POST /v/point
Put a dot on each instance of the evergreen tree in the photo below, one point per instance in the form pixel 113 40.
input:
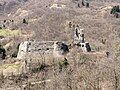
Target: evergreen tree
pixel 117 9
pixel 114 10
pixel 3 52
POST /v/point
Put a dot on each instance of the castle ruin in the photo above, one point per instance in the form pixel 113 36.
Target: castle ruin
pixel 79 39
pixel 34 49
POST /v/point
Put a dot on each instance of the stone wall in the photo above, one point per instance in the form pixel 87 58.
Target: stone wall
pixel 39 49
pixel 79 39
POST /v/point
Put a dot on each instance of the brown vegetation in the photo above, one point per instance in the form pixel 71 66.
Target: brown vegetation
pixel 98 70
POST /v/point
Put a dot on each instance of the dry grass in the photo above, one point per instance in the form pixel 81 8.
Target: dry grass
pixel 9 33
pixel 5 66
pixel 86 71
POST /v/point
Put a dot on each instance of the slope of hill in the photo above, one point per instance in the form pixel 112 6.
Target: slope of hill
pixel 49 20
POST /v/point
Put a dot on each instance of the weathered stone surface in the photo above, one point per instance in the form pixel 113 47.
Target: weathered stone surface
pixel 79 39
pixel 85 47
pixel 23 48
pixel 60 49
pixel 78 35
pixel 35 49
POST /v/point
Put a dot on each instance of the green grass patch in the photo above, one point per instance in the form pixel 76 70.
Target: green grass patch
pixel 5 66
pixel 8 33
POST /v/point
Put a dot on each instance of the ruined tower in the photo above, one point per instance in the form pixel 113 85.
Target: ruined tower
pixel 79 39
pixel 78 35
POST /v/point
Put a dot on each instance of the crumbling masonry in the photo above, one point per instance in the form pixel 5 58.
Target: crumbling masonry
pixel 33 49
pixel 79 39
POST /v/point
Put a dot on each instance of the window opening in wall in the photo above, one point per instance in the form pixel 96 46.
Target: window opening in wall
pixel 82 45
pixel 47 49
pixel 39 49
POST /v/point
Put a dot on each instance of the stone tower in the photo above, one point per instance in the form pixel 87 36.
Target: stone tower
pixel 78 35
pixel 79 39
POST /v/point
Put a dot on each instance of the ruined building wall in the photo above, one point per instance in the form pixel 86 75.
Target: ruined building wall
pixel 79 39
pixel 36 49
pixel 29 49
